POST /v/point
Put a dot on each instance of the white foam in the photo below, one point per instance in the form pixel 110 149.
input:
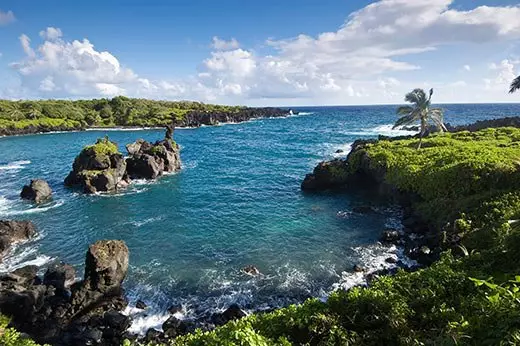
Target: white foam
pixel 123 128
pixel 5 209
pixel 345 148
pixel 372 259
pixel 385 130
pixel 304 113
pixel 146 221
pixel 141 321
pixel 15 165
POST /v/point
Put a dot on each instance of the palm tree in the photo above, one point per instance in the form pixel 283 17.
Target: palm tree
pixel 515 85
pixel 420 111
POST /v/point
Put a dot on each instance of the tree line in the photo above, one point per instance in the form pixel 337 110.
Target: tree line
pixel 118 111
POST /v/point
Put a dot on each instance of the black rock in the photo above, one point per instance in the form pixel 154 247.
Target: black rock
pixel 141 305
pixel 390 236
pixel 358 269
pixel 117 320
pixel 61 276
pixel 174 309
pixel 38 190
pixel 173 327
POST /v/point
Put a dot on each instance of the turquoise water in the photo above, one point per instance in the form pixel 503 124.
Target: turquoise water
pixel 237 201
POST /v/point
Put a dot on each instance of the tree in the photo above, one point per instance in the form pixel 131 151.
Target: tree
pixel 515 85
pixel 420 111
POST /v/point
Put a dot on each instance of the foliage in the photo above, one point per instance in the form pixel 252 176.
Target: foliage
pixel 420 111
pixel 119 111
pixel 468 184
pixel 103 147
pixel 515 85
pixel 10 337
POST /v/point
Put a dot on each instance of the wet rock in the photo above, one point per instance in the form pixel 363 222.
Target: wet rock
pixel 141 305
pixel 391 260
pixel 153 336
pixel 12 232
pixel 99 168
pixel 326 175
pixel 251 270
pixel 173 327
pixel 175 309
pixel 390 235
pixel 61 276
pixel 339 151
pixel 358 269
pixel 117 321
pixel 38 191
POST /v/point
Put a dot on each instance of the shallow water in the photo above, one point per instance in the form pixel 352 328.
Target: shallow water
pixel 236 202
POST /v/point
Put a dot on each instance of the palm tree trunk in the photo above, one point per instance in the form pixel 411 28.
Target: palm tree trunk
pixel 421 134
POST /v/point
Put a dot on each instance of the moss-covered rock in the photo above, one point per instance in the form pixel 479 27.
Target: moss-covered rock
pixel 99 168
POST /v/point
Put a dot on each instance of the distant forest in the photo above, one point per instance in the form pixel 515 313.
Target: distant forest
pixel 118 111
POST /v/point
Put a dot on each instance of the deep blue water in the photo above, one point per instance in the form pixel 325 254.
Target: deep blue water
pixel 237 201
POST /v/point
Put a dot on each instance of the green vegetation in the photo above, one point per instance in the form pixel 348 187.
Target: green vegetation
pixel 468 185
pixel 103 147
pixel 420 111
pixel 515 85
pixel 10 337
pixel 119 111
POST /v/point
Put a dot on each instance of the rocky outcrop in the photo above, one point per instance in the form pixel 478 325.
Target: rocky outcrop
pixel 12 232
pixel 89 315
pixel 326 175
pixel 149 161
pixel 99 168
pixel 484 124
pixel 199 118
pixel 38 191
pixel 106 265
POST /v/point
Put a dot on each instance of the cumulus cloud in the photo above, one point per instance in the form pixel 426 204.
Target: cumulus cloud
pixel 51 33
pixel 7 17
pixel 361 60
pixel 220 44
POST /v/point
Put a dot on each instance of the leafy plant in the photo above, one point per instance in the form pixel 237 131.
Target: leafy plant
pixel 420 111
pixel 515 85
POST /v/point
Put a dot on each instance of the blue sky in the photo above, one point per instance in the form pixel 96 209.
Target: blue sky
pixel 260 52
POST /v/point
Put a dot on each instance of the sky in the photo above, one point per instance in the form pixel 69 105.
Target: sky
pixel 261 53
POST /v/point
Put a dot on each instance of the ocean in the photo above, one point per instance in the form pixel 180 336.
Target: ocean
pixel 236 202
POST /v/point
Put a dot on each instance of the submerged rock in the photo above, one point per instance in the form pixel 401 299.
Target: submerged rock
pixel 99 168
pixel 149 161
pixel 38 191
pixel 251 270
pixel 12 232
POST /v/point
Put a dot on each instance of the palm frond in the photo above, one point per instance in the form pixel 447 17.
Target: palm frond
pixel 404 110
pixel 406 120
pixel 417 96
pixel 515 85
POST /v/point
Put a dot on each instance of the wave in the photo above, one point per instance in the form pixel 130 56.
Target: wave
pixel 345 150
pixel 123 128
pixel 146 221
pixel 15 165
pixel 305 113
pixel 5 206
pixel 385 130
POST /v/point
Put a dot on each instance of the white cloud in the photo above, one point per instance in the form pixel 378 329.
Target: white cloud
pixel 504 75
pixel 7 17
pixel 360 61
pixel 220 44
pixel 51 33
